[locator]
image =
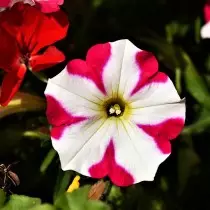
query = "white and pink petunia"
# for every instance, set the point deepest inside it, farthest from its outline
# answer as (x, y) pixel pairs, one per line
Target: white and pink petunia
(114, 114)
(46, 6)
(205, 30)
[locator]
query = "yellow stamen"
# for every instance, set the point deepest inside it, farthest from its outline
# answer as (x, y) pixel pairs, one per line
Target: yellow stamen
(74, 185)
(115, 109)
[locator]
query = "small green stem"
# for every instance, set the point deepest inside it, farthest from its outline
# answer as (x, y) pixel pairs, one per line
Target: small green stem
(48, 159)
(178, 80)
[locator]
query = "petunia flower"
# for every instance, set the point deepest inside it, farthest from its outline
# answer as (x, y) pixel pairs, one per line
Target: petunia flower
(24, 31)
(205, 30)
(46, 6)
(114, 114)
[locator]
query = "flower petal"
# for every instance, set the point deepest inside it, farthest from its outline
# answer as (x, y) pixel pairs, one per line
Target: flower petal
(92, 69)
(4, 3)
(207, 11)
(156, 114)
(11, 84)
(77, 95)
(59, 118)
(205, 31)
(163, 132)
(9, 59)
(131, 157)
(32, 28)
(158, 90)
(49, 5)
(121, 72)
(49, 58)
(83, 144)
(128, 69)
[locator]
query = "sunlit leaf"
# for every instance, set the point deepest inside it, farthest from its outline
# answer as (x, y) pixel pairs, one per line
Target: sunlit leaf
(20, 202)
(43, 207)
(78, 200)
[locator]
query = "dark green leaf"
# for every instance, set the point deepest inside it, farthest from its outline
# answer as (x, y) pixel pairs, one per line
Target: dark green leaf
(194, 82)
(62, 183)
(2, 197)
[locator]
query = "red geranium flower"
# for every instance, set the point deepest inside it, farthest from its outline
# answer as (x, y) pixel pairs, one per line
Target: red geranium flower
(46, 6)
(24, 30)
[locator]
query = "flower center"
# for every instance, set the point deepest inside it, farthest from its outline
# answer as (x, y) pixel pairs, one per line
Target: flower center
(114, 107)
(24, 59)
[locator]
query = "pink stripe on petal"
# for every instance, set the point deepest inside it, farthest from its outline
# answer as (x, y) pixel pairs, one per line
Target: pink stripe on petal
(207, 11)
(58, 117)
(96, 59)
(56, 132)
(108, 167)
(163, 132)
(148, 67)
(5, 3)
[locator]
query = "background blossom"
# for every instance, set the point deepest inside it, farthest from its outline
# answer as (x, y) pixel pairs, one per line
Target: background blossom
(46, 6)
(24, 31)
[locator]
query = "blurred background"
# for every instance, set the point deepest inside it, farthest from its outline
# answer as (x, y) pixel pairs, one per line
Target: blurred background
(169, 29)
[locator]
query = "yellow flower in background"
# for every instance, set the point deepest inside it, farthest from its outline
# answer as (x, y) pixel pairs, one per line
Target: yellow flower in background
(74, 185)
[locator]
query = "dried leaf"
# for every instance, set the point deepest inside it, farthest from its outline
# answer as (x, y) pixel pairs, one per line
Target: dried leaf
(97, 190)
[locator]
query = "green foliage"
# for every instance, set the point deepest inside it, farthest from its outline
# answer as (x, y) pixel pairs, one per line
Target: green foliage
(78, 200)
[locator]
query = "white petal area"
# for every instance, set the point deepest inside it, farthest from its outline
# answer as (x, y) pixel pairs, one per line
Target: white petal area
(78, 85)
(156, 114)
(205, 31)
(155, 93)
(121, 72)
(79, 96)
(137, 152)
(84, 144)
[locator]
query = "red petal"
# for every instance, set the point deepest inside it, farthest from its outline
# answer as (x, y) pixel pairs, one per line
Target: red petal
(48, 6)
(163, 132)
(50, 57)
(108, 166)
(96, 59)
(11, 84)
(5, 3)
(59, 118)
(9, 59)
(148, 67)
(54, 27)
(32, 28)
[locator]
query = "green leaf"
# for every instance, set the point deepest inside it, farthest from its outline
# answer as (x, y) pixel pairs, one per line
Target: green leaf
(43, 207)
(197, 29)
(2, 197)
(187, 161)
(47, 161)
(74, 200)
(78, 200)
(62, 182)
(20, 202)
(194, 82)
(96, 205)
